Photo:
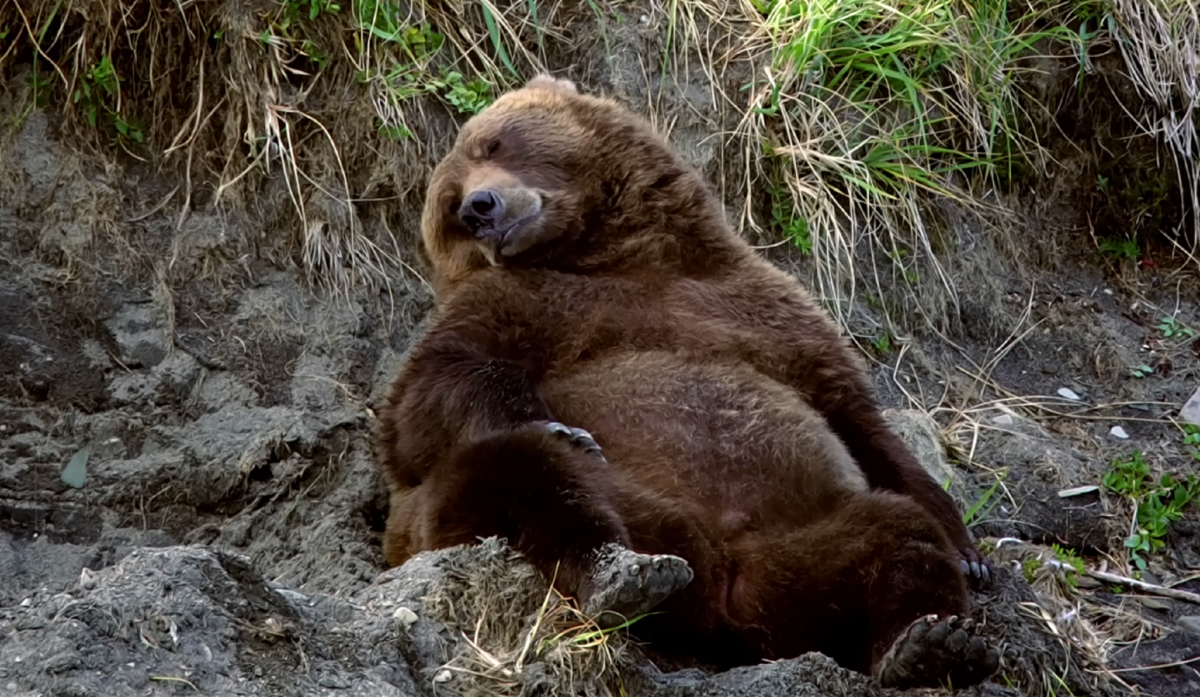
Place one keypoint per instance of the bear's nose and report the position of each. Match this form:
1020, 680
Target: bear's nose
481, 209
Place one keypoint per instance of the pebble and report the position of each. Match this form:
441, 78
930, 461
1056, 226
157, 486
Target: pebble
1067, 393
443, 676
1191, 411
1119, 432
406, 616
1190, 623
1156, 603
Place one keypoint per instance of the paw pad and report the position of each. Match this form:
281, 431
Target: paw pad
933, 653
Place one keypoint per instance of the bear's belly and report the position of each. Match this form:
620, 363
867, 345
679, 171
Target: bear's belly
719, 435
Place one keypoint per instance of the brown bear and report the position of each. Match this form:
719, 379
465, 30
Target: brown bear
622, 388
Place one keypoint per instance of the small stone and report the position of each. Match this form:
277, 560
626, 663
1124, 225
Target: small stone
443, 676
12, 687
87, 579
1067, 393
1190, 623
292, 595
1003, 420
1156, 603
1191, 411
1119, 432
27, 602
406, 616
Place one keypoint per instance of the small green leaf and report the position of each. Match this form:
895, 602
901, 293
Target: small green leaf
75, 473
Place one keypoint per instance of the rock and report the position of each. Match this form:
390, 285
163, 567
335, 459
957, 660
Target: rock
1190, 623
204, 614
920, 434
1118, 432
1156, 603
137, 331
1068, 393
406, 616
1191, 410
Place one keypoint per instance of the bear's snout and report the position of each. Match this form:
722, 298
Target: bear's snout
480, 210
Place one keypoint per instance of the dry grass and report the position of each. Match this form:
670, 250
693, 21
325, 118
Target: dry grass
511, 647
874, 116
1159, 41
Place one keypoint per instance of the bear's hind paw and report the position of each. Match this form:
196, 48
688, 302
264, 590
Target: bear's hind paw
935, 653
625, 584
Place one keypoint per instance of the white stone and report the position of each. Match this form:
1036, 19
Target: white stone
1067, 393
1191, 411
406, 616
1119, 432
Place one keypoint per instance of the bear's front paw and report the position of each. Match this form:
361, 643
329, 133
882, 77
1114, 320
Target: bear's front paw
576, 436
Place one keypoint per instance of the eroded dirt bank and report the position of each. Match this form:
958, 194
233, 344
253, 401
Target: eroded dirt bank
225, 538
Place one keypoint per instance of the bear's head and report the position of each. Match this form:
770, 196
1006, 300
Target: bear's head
546, 177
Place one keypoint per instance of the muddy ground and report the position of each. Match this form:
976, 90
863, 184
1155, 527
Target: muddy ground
225, 538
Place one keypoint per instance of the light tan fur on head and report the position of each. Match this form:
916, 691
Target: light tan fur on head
549, 82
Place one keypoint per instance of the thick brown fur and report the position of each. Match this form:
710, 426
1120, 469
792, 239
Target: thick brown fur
740, 429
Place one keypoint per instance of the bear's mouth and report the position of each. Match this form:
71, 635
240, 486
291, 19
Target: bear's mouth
512, 240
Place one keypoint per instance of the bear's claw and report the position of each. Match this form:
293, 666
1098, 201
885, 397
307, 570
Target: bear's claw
576, 436
933, 653
979, 572
625, 584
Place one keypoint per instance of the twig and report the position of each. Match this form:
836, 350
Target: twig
1147, 587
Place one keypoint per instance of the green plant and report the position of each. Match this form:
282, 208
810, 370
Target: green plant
1101, 183
100, 81
1191, 441
1141, 371
467, 97
97, 89
1122, 249
40, 87
1030, 568
1071, 560
787, 220
882, 343
1157, 504
294, 10
1173, 328
975, 514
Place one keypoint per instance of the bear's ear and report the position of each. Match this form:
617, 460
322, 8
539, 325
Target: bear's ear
549, 82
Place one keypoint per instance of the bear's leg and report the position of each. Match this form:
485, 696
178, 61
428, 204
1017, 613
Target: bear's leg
546, 489
852, 585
